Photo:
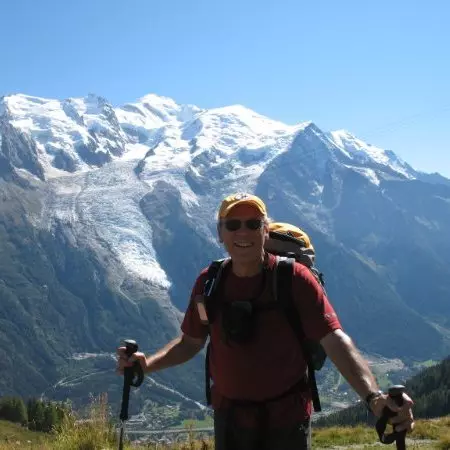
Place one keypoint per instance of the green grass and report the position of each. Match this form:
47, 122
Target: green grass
193, 423
13, 435
435, 430
343, 436
428, 363
429, 435
97, 434
432, 428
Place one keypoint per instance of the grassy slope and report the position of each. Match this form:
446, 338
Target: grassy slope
429, 434
11, 433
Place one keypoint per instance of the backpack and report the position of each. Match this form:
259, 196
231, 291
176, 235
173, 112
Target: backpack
289, 241
289, 244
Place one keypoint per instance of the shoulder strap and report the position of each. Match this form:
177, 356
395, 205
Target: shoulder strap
208, 375
284, 273
215, 271
213, 275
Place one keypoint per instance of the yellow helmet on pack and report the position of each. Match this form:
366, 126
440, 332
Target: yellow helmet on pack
292, 231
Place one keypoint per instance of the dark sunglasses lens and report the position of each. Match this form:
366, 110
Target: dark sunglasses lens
253, 224
233, 224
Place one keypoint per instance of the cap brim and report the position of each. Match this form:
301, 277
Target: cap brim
229, 208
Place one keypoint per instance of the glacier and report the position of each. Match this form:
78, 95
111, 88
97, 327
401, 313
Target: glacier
99, 161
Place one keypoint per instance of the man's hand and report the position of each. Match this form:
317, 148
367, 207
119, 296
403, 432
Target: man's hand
404, 420
178, 351
123, 360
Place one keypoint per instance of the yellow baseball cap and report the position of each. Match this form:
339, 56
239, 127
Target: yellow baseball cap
241, 198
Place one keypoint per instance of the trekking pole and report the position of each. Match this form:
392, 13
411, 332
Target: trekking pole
396, 393
132, 376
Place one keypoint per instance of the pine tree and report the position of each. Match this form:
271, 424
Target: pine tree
35, 414
50, 419
13, 409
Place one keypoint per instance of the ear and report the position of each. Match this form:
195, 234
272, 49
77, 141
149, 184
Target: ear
219, 233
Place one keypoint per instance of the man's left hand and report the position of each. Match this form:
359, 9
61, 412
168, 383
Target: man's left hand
404, 419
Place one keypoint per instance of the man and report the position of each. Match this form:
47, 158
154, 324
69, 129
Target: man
260, 394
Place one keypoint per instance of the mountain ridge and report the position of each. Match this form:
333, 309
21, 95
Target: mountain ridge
153, 113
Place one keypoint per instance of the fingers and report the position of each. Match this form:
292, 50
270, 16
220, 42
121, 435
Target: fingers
407, 426
123, 360
404, 420
392, 405
403, 424
407, 401
121, 351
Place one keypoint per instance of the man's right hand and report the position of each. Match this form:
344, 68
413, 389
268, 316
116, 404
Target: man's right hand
123, 360
178, 351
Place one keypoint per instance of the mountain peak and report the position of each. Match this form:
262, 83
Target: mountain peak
163, 110
90, 104
362, 152
242, 118
20, 104
155, 99
237, 109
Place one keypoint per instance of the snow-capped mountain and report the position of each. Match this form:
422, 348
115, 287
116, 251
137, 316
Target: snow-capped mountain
108, 215
367, 154
183, 146
84, 133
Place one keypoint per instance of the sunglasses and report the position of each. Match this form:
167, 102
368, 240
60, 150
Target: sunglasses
236, 224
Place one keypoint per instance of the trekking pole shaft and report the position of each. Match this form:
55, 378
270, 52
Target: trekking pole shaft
128, 375
126, 393
124, 407
121, 437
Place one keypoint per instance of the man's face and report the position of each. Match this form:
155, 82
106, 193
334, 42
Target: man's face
244, 245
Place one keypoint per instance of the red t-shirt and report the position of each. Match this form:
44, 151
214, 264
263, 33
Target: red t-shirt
272, 362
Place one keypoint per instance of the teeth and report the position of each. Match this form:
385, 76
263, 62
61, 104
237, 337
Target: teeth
242, 244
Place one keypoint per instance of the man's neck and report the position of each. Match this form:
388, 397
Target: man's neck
248, 269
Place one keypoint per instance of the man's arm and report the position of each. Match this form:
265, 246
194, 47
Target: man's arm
348, 360
178, 351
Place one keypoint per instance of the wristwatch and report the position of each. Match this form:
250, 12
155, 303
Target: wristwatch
371, 396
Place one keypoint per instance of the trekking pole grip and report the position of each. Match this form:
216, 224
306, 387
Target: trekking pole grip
133, 376
396, 393
131, 347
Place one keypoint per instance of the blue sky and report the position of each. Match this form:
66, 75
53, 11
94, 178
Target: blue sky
379, 69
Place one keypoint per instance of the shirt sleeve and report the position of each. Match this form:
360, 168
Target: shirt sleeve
191, 324
316, 312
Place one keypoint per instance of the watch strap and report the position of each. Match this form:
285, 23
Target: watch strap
371, 396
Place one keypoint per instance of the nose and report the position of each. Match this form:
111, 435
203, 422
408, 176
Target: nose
243, 231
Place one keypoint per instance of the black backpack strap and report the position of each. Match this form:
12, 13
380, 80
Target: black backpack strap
283, 278
207, 376
213, 276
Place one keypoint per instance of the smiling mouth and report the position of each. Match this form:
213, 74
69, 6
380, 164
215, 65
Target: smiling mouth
243, 244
